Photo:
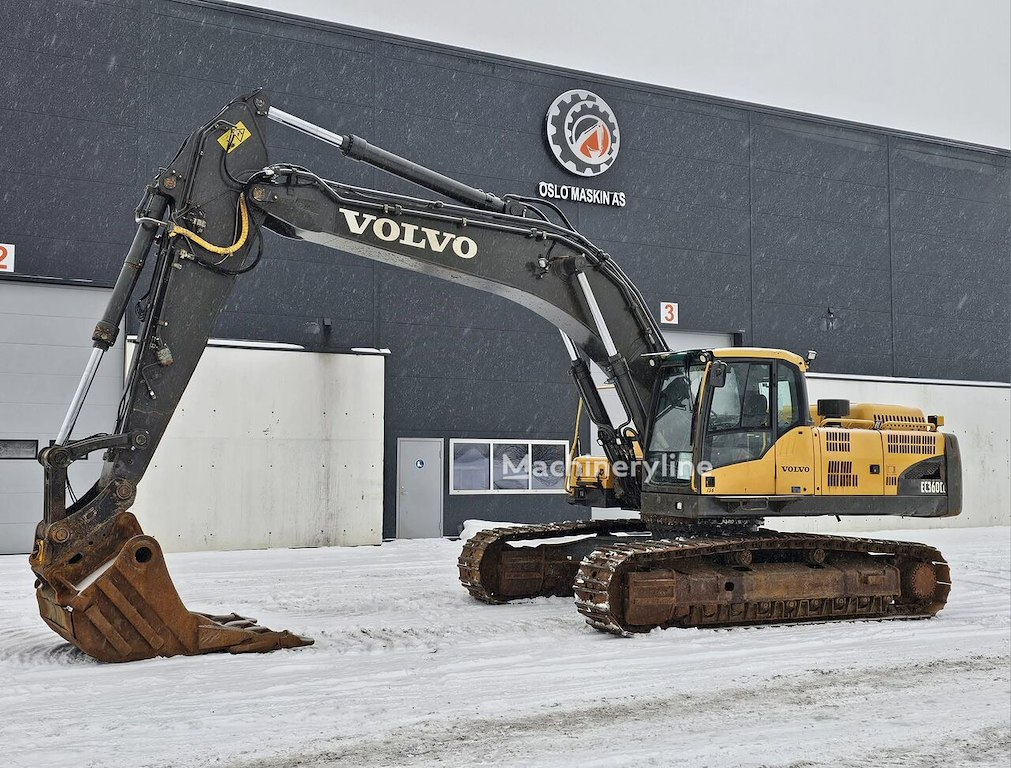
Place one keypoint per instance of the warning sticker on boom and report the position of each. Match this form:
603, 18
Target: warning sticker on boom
233, 137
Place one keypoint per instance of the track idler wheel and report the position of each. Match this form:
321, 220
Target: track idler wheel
129, 609
919, 580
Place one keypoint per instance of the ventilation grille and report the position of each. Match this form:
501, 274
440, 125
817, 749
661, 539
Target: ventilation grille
911, 422
837, 441
918, 444
891, 481
840, 475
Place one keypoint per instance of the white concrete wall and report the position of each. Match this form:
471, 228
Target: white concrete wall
270, 448
979, 416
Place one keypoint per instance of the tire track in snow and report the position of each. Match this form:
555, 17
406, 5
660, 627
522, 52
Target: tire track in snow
816, 699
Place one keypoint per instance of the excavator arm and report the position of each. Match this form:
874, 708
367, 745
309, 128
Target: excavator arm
101, 583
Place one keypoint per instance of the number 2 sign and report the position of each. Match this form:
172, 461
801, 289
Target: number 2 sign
6, 257
669, 312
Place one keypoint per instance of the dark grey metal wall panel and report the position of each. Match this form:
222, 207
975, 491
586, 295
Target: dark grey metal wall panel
448, 305
441, 91
820, 243
681, 225
69, 87
813, 285
486, 406
950, 171
860, 342
99, 31
44, 144
505, 357
794, 146
951, 236
753, 220
307, 331
66, 227
68, 73
831, 244
673, 125
714, 289
818, 199
936, 214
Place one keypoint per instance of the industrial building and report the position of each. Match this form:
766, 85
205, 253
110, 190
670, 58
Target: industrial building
373, 395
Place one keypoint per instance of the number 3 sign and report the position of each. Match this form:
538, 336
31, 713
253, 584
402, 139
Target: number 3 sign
669, 312
6, 257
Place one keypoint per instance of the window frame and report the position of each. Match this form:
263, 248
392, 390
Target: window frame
491, 443
801, 416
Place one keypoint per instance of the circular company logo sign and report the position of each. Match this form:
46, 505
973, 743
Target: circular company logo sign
582, 132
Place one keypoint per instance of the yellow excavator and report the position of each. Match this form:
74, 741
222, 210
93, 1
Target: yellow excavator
731, 440
713, 441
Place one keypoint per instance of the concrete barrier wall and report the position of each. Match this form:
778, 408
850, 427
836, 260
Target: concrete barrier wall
270, 448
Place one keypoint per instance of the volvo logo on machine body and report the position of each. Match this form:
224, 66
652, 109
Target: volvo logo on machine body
583, 133
424, 238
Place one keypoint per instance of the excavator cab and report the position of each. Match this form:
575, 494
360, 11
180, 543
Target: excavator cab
732, 436
743, 402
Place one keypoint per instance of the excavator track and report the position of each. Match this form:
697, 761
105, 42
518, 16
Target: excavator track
495, 572
764, 577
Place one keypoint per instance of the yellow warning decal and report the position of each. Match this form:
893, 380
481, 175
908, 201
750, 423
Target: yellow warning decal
233, 137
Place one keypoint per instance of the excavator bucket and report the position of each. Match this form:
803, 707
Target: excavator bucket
128, 608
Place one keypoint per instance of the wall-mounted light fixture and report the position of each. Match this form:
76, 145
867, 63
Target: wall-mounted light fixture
829, 322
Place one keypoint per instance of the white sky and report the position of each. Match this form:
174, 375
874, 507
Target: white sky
938, 67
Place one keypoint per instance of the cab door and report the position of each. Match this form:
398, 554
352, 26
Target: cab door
796, 465
739, 440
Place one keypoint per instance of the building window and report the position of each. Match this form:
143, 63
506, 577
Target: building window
507, 466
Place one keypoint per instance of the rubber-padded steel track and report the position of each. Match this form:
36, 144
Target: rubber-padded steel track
493, 572
639, 586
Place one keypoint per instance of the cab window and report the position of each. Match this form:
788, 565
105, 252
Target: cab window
789, 404
670, 442
740, 423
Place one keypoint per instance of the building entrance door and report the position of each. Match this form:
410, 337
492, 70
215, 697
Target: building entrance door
419, 487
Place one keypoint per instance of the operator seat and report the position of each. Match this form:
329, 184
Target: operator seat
756, 410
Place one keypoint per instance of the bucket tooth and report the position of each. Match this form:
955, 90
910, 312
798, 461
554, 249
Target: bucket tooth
132, 611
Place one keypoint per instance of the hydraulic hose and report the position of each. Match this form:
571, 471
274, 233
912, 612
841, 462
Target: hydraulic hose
222, 250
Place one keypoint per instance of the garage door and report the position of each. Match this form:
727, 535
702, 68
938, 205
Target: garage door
45, 341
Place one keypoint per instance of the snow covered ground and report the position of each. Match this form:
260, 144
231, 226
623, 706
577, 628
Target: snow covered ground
407, 670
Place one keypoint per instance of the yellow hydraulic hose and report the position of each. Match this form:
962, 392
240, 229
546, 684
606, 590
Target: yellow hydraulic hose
575, 443
176, 230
